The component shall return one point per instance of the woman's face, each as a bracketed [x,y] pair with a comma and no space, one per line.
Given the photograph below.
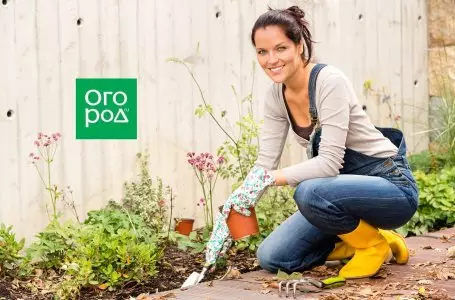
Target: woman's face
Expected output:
[277,54]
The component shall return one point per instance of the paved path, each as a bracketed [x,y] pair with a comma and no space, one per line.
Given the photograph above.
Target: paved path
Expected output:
[429,272]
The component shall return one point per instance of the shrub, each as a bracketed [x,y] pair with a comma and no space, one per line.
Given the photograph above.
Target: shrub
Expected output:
[10,248]
[145,199]
[427,161]
[436,202]
[108,249]
[49,250]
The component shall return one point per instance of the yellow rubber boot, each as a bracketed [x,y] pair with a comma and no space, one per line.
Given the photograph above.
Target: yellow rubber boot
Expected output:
[371,251]
[396,243]
[398,246]
[341,251]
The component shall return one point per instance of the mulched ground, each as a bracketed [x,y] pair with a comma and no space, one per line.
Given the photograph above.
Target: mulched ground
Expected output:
[174,268]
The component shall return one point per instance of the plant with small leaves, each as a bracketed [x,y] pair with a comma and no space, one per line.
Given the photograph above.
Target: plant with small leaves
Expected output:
[10,248]
[146,198]
[436,202]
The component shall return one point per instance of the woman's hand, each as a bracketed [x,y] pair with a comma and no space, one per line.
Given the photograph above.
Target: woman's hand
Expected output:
[241,200]
[247,195]
[279,177]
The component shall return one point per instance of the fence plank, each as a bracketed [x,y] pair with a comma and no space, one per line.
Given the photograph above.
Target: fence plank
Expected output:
[90,66]
[27,117]
[420,73]
[10,153]
[71,150]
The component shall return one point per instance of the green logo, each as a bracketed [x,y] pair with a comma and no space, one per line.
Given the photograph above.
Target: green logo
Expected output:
[106,108]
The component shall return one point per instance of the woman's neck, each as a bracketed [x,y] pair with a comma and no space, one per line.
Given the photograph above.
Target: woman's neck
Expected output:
[299,80]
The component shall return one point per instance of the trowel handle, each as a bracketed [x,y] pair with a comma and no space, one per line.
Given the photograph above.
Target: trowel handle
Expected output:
[201,275]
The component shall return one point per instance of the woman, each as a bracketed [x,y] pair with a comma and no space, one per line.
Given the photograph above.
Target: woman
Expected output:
[357,178]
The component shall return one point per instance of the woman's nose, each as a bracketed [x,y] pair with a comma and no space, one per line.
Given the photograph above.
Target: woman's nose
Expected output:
[272,58]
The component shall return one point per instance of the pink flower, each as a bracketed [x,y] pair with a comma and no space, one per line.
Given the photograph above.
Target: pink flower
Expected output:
[161,202]
[220,160]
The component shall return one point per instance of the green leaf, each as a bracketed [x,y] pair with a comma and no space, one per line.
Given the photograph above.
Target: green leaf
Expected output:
[295,275]
[193,235]
[281,275]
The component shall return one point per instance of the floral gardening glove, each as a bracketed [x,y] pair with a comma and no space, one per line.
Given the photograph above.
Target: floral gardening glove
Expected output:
[249,192]
[218,240]
[241,200]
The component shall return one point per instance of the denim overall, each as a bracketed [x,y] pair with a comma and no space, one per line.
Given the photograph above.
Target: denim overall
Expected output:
[380,191]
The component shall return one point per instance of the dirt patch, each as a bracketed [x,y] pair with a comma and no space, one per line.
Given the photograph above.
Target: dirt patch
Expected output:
[173,269]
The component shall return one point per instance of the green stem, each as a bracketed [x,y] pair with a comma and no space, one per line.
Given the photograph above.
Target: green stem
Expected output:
[55,150]
[206,203]
[53,200]
[40,175]
[170,216]
[205,103]
[211,206]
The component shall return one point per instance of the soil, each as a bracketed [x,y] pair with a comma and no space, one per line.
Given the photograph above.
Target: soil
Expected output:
[173,269]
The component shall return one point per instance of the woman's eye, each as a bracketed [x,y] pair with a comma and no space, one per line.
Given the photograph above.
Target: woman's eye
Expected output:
[260,52]
[281,48]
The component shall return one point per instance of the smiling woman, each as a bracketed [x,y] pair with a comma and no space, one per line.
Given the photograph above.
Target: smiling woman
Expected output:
[280,49]
[357,181]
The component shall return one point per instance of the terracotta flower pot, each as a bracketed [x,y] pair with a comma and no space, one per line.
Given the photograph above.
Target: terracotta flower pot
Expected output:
[241,226]
[184,226]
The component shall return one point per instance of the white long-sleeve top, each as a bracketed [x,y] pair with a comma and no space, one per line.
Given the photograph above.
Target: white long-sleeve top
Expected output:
[344,125]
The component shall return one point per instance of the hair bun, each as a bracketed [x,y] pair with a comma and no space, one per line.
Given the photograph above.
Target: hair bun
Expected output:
[296,12]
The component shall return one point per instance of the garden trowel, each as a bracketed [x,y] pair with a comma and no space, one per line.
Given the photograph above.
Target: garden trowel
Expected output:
[194,279]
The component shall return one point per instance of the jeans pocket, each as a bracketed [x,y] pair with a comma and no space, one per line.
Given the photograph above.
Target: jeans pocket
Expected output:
[393,173]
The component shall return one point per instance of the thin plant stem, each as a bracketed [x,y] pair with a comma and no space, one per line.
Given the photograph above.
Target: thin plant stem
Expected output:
[205,104]
[213,117]
[48,162]
[170,216]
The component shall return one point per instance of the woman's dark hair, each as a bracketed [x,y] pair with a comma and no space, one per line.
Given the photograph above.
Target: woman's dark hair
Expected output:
[293,22]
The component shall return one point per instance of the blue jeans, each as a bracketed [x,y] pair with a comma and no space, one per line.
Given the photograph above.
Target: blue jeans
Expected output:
[381,192]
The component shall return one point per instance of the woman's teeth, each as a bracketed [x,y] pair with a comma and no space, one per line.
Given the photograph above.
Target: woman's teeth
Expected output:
[276,70]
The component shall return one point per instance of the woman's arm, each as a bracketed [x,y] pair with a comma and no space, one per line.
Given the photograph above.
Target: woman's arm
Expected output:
[333,115]
[273,132]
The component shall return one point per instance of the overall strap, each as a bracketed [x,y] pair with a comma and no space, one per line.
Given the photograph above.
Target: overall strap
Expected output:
[312,91]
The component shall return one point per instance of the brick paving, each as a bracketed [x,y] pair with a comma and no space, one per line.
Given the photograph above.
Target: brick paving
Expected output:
[429,272]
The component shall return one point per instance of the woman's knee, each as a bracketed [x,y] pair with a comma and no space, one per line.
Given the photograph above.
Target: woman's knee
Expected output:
[265,258]
[304,197]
